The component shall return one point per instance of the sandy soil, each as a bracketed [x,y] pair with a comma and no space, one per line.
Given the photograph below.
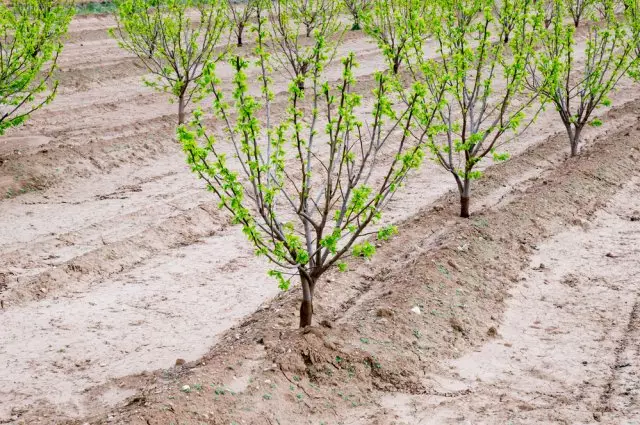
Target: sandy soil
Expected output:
[114,262]
[567,350]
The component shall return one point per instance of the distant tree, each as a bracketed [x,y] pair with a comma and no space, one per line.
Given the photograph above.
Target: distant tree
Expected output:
[578,9]
[239,14]
[313,13]
[578,90]
[308,188]
[31,33]
[291,49]
[356,8]
[393,24]
[485,102]
[504,10]
[170,43]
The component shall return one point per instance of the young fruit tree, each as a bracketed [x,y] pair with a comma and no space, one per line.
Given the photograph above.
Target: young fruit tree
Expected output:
[240,14]
[308,188]
[578,9]
[485,103]
[504,11]
[356,9]
[292,50]
[312,13]
[579,80]
[173,39]
[393,24]
[31,33]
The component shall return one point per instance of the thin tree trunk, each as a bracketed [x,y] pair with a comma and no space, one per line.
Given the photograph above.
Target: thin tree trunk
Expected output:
[356,23]
[306,306]
[396,65]
[465,199]
[575,142]
[181,109]
[240,30]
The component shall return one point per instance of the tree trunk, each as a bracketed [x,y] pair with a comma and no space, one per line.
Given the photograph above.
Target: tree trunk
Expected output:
[396,65]
[465,199]
[301,84]
[575,142]
[240,30]
[356,23]
[306,306]
[181,109]
[464,206]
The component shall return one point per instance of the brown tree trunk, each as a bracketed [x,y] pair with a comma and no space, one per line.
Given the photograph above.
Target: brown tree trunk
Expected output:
[306,306]
[396,65]
[575,142]
[240,30]
[465,196]
[181,109]
[464,206]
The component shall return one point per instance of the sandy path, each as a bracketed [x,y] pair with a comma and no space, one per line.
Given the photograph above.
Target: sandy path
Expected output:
[567,350]
[127,240]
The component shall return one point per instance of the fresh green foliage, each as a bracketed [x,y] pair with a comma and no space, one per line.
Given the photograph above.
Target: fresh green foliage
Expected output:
[578,9]
[31,33]
[393,24]
[356,9]
[94,8]
[576,89]
[507,15]
[239,13]
[313,14]
[302,33]
[305,186]
[485,103]
[173,39]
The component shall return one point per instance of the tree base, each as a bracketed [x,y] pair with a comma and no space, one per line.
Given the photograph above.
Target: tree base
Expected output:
[464,206]
[306,313]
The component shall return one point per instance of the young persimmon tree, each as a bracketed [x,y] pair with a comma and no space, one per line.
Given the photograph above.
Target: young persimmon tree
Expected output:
[308,188]
[485,102]
[393,24]
[504,10]
[578,9]
[356,9]
[577,87]
[294,51]
[173,39]
[240,14]
[312,13]
[31,33]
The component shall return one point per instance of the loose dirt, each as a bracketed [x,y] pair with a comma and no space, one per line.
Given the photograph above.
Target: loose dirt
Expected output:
[115,263]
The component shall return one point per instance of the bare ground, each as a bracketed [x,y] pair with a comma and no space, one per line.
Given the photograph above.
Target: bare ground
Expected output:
[116,263]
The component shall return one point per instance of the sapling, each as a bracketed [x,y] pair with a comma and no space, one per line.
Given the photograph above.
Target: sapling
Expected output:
[239,14]
[31,33]
[291,43]
[577,87]
[578,9]
[485,102]
[171,44]
[504,11]
[312,13]
[393,24]
[309,187]
[356,9]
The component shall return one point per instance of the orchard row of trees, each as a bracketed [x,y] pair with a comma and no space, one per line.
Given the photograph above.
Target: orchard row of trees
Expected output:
[309,185]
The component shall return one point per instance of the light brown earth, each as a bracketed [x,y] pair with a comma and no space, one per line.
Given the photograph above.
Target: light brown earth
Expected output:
[114,262]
